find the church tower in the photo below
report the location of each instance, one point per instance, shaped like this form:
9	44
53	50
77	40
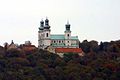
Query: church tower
47	40
41	34
67	35
44	34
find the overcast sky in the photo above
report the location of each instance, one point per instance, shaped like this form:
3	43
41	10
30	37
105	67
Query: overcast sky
90	19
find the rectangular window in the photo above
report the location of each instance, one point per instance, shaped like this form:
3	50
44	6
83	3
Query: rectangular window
59	41
46	34
68	41
68	35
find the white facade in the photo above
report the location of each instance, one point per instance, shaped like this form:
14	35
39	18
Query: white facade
45	38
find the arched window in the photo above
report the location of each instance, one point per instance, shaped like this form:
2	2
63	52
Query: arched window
46	34
59	41
68	35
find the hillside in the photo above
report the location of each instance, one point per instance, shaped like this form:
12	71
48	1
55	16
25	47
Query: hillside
101	62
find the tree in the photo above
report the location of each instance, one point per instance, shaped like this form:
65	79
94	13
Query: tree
85	46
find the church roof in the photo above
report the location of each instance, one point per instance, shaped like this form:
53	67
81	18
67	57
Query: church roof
62	37
68	50
74	37
57	37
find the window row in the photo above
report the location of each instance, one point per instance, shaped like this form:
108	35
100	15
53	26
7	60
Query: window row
57	41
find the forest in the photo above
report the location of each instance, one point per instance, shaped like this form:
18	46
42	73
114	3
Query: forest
101	61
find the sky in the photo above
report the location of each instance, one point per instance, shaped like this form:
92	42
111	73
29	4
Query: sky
90	19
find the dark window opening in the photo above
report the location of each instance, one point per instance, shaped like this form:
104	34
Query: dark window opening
59	41
46	34
68	35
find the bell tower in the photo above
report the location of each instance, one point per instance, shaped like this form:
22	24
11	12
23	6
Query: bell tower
41	35
67	35
44	34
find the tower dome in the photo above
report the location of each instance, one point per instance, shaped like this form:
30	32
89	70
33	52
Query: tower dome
67	26
42	22
46	21
46	24
41	25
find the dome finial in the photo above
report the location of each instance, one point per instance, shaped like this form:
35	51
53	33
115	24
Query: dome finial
46	17
67	21
41	20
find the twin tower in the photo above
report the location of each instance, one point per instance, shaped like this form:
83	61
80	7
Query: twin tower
46	39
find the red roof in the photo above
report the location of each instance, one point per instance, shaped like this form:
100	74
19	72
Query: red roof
68	50
28	47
